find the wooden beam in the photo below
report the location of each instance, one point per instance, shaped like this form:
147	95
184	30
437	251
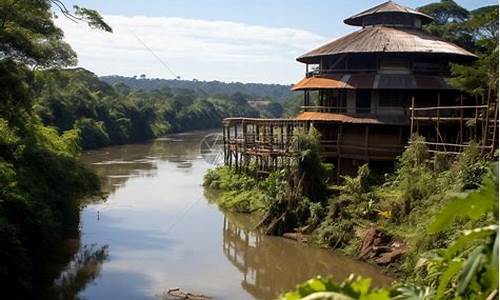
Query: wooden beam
412	115
461	119
367	132
339	149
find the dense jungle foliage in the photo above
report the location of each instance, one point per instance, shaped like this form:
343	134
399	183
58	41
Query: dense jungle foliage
277	92
105	115
40	179
434	219
443	213
49	113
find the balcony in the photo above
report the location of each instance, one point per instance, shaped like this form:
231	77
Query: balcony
329	109
318	72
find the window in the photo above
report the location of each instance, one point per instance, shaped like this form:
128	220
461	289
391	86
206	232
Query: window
363	101
394	66
392	99
335	100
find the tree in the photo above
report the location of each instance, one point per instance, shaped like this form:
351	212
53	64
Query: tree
28	34
449	20
41	180
275	109
477	31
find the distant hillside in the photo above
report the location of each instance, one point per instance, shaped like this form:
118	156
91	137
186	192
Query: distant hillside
277	92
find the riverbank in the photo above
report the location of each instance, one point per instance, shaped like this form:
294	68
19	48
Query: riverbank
158	218
379	218
116	114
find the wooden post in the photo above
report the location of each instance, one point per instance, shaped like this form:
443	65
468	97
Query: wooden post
401	142
495	124
438	112
412	115
475	118
367	132
486	121
236	148
461	119
339	137
224	141
244	146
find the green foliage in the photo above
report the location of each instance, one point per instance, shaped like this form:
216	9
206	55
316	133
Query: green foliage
472	205
250	91
28	33
106	115
314	173
40	178
241	192
477	31
292	199
91	17
291	107
470	264
321	288
464	266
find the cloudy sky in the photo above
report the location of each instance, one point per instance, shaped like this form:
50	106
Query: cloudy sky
237	40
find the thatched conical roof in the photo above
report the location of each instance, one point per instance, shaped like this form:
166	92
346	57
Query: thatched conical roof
389	8
381	39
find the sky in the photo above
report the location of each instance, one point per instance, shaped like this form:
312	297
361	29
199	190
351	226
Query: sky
226	40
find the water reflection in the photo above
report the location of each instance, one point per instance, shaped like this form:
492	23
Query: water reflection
161	233
116	165
82	270
273	265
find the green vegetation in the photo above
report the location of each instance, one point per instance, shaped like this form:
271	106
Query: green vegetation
444	215
476	31
243	192
441	215
105	115
459	263
290	198
40	178
255	91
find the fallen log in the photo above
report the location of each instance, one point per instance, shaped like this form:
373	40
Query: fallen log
295	236
177	293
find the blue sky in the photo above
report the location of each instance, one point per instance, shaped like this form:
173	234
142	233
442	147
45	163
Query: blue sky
302	25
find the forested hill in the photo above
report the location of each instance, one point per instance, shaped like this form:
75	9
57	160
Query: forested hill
104	114
276	92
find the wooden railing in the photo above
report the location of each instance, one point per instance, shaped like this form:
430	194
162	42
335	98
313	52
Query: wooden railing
339	71
311	108
483	118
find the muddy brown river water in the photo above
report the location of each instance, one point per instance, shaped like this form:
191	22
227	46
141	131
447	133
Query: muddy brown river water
157	230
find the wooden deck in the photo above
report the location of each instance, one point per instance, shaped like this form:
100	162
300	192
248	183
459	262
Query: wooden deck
267	143
270	144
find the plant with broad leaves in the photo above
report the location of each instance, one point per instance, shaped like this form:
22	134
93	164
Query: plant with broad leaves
470	263
325	288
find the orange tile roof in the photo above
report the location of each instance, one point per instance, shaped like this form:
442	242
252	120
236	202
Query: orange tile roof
372	81
354	119
323	82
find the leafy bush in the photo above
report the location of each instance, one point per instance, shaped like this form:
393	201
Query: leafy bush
242	192
321	288
314	173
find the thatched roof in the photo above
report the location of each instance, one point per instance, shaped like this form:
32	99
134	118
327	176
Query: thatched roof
381	39
372	81
388	8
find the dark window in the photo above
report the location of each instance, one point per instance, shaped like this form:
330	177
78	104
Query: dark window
363	101
392	98
335	100
394	65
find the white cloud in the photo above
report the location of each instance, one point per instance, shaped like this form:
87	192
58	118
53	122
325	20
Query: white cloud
205	50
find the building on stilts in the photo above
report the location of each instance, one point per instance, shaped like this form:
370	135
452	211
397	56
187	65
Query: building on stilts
367	93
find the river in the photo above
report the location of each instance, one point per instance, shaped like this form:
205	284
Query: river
157	230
